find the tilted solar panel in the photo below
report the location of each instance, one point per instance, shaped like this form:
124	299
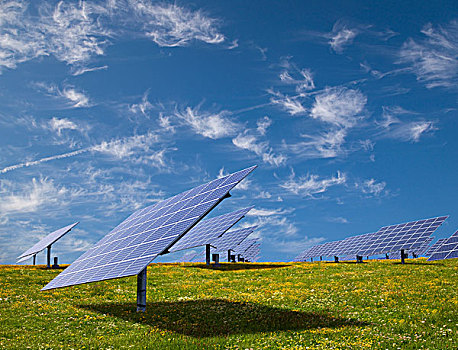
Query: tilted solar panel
417	251
145	234
188	257
406	236
206	231
46	241
435	246
448	249
242	247
229	240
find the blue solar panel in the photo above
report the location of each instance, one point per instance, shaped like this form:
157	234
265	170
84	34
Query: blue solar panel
231	239
417	251
251	252
406	236
188	257
242	247
206	231
45	242
448	249
435	246
145	234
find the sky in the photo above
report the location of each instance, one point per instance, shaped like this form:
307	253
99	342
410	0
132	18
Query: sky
349	109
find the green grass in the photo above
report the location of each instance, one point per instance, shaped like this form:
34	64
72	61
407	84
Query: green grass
379	305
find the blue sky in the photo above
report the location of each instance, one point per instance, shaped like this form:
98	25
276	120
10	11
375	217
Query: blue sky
349	110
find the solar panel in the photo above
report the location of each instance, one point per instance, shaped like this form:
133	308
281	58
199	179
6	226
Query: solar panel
251	252
206	231
448	249
145	234
231	239
188	257
242	247
406	236
435	247
45	242
417	251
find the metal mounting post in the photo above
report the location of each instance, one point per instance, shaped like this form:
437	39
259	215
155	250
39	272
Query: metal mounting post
229	256
402	256
141	291
321	258
311	259
359	259
34	258
386	256
56	264
207	254
48	257
336	259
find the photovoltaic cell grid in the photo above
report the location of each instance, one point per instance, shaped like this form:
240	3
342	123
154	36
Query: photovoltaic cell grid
188	257
407	236
417	251
448	249
207	231
134	243
251	252
242	247
231	239
435	246
45	242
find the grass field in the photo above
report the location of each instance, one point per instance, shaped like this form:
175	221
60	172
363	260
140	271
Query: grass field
379	305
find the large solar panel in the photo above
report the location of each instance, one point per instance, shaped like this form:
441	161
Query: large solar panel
252	252
188	257
417	251
406	236
435	246
206	231
145	234
242	247
46	241
448	249
231	239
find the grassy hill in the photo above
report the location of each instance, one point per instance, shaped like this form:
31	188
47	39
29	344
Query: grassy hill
379	305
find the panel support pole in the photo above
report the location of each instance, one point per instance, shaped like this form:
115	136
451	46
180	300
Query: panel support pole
48	257
207	254
229	256
34	258
403	257
386	256
141	291
336	259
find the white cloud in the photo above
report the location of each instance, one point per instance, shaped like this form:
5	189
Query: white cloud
82	70
211	125
31	197
338	106
338	219
434	59
171	25
302	80
58	125
263	124
78	98
290	104
143	107
371	187
250	142
341	36
267	212
127	146
310	184
396	128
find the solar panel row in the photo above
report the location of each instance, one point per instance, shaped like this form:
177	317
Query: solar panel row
145	234
448	249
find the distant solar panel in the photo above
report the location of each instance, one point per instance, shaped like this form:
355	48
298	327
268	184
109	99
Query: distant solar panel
148	232
45	242
244	245
406	236
206	231
251	252
231	239
188	257
448	249
435	246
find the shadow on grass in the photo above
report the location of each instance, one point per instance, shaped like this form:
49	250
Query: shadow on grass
236	266
417	263
219	317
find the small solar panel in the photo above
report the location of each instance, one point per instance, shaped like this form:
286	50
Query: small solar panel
45	242
448	249
231	239
406	236
206	231
251	252
145	234
242	247
435	246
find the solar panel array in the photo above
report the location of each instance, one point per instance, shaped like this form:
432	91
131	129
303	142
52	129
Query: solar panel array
252	252
435	246
242	247
231	239
46	241
408	236
148	232
417	251
206	231
188	257
448	249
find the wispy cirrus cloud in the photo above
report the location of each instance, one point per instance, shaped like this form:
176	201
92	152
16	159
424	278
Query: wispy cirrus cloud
394	127
310	184
372	187
73	97
57	125
291	104
338	106
208	124
249	140
341	36
434	59
170	25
